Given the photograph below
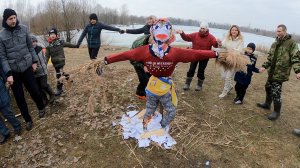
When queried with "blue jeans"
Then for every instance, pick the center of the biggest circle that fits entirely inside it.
(10, 116)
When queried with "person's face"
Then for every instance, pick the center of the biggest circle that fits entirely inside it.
(52, 36)
(249, 50)
(34, 44)
(280, 32)
(202, 30)
(12, 21)
(234, 32)
(93, 21)
(151, 21)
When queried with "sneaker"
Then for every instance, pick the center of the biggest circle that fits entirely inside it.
(224, 93)
(29, 125)
(235, 99)
(141, 97)
(238, 102)
(42, 113)
(3, 138)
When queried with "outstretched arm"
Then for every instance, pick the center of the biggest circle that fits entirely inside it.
(82, 36)
(136, 31)
(190, 55)
(111, 28)
(137, 54)
(186, 37)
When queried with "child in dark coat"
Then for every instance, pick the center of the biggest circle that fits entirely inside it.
(41, 73)
(242, 79)
(55, 50)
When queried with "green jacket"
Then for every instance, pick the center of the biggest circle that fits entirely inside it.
(283, 55)
(55, 50)
(140, 41)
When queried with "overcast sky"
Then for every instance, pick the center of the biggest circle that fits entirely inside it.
(265, 14)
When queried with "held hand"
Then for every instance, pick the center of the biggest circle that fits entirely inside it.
(10, 80)
(262, 69)
(219, 41)
(178, 31)
(298, 76)
(34, 66)
(146, 69)
(121, 31)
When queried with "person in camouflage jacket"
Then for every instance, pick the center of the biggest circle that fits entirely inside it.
(283, 55)
(55, 50)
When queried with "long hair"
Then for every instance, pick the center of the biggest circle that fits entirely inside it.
(239, 36)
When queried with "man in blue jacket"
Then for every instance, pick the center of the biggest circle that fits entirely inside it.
(93, 32)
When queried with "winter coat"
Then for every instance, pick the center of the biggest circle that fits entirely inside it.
(283, 55)
(55, 50)
(16, 52)
(243, 78)
(41, 69)
(236, 44)
(93, 32)
(204, 42)
(145, 29)
(4, 96)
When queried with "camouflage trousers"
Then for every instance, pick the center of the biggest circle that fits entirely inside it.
(273, 90)
(166, 101)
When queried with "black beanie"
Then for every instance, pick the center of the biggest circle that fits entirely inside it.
(7, 13)
(53, 30)
(252, 45)
(93, 16)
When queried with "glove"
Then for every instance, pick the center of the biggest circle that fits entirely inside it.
(121, 31)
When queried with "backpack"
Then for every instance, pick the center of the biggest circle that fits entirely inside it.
(140, 41)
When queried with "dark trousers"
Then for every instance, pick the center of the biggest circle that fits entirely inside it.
(273, 91)
(44, 87)
(26, 78)
(240, 91)
(93, 52)
(143, 79)
(60, 72)
(201, 69)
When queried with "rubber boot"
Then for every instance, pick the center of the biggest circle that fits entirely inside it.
(187, 83)
(276, 112)
(266, 104)
(199, 85)
(51, 94)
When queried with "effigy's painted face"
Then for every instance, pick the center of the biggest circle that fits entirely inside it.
(161, 30)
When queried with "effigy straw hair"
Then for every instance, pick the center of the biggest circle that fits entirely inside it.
(233, 60)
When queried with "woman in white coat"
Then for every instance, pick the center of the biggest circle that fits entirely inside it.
(233, 41)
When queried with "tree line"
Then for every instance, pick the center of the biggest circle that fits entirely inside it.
(68, 15)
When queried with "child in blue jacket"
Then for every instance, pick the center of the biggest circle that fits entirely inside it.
(242, 79)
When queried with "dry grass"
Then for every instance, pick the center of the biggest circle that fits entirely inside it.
(77, 130)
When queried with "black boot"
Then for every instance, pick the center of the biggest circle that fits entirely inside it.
(199, 85)
(276, 112)
(266, 104)
(187, 83)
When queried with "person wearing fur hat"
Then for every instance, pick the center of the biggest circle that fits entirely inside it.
(19, 61)
(243, 79)
(233, 41)
(201, 40)
(93, 32)
(41, 73)
(55, 51)
(160, 59)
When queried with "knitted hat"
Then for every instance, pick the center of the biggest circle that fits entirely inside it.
(204, 25)
(252, 45)
(53, 30)
(93, 16)
(34, 39)
(7, 13)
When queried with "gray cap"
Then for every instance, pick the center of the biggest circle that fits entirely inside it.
(33, 38)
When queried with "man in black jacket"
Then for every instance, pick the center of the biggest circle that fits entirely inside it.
(19, 61)
(146, 29)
